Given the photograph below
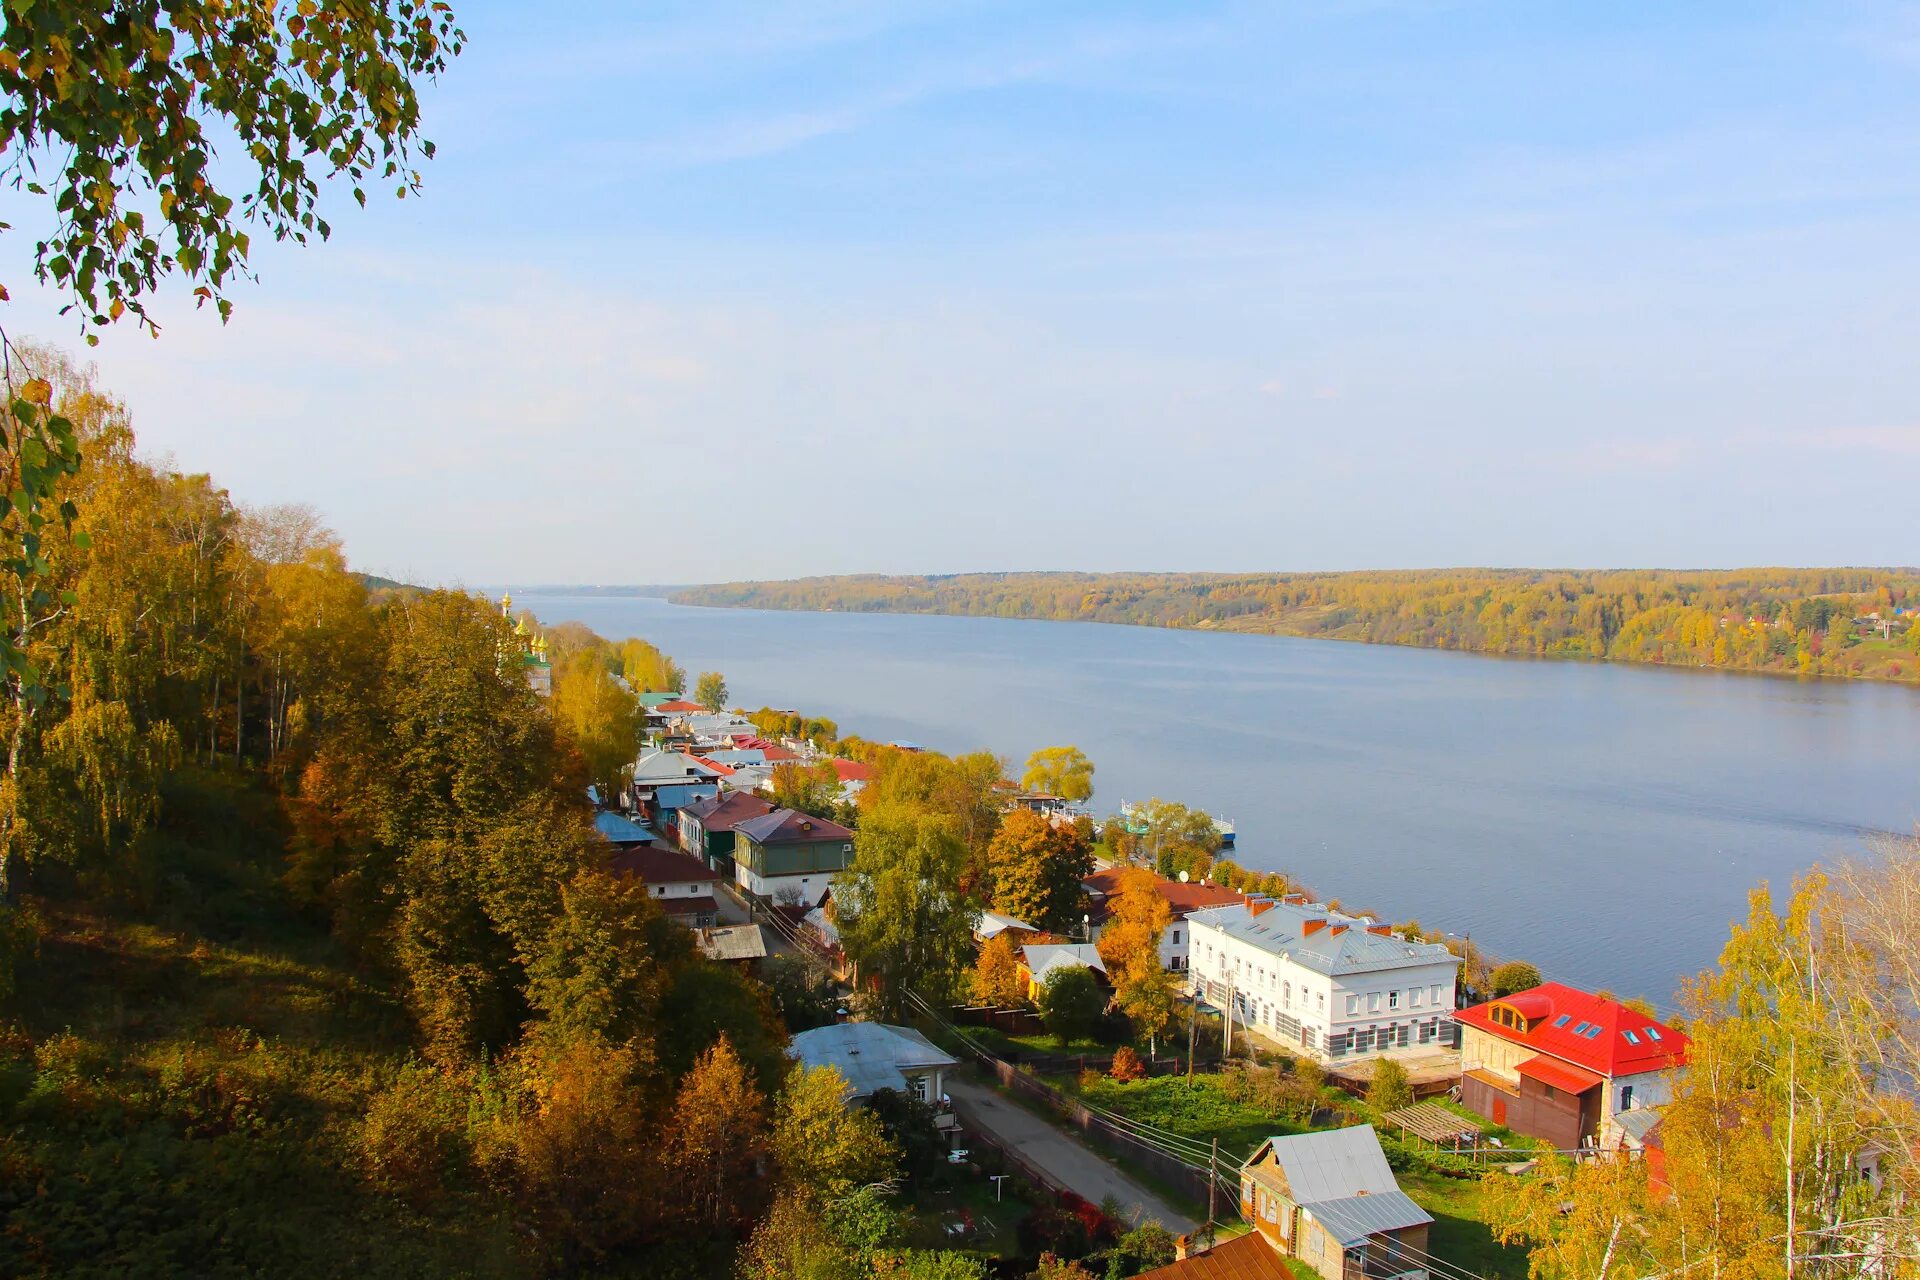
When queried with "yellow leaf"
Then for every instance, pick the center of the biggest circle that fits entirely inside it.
(37, 391)
(9, 62)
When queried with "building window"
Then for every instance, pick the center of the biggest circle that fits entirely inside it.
(1286, 994)
(1393, 999)
(1176, 937)
(1414, 997)
(1353, 1005)
(1436, 993)
(1373, 1002)
(1626, 1097)
(1322, 1000)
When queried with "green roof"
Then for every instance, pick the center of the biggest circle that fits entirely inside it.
(652, 700)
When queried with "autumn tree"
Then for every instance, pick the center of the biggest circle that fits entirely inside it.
(108, 116)
(607, 961)
(1390, 1089)
(599, 718)
(711, 692)
(1130, 948)
(1061, 771)
(825, 1148)
(809, 788)
(710, 1150)
(1176, 838)
(996, 974)
(1513, 977)
(647, 670)
(1037, 868)
(903, 919)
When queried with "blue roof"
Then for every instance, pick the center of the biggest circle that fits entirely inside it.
(621, 830)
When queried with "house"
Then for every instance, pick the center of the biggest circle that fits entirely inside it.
(788, 855)
(874, 1056)
(1329, 1199)
(994, 923)
(621, 833)
(664, 782)
(739, 944)
(1562, 1064)
(682, 884)
(853, 774)
(1039, 961)
(1336, 986)
(705, 827)
(1183, 898)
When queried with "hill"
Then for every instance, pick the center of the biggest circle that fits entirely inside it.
(1841, 622)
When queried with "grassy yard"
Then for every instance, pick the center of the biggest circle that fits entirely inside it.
(1459, 1236)
(967, 1217)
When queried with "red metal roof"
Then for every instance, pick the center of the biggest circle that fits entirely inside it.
(679, 706)
(1247, 1257)
(1558, 1074)
(1583, 1029)
(724, 770)
(852, 770)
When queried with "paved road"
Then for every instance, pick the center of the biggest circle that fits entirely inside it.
(1059, 1155)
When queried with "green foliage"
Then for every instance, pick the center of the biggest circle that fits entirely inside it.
(1071, 1002)
(809, 788)
(606, 963)
(1747, 619)
(902, 917)
(824, 1147)
(1512, 977)
(802, 996)
(1145, 1247)
(117, 102)
(1389, 1089)
(711, 692)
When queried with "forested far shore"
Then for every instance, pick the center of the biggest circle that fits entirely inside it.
(1855, 622)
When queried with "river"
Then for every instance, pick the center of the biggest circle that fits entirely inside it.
(1603, 821)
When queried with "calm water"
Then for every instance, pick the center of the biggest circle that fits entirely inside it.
(1605, 822)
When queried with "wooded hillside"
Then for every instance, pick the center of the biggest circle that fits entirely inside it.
(1809, 621)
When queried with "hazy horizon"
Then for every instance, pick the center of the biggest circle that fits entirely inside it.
(755, 293)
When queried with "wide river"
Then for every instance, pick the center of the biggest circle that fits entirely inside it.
(1605, 822)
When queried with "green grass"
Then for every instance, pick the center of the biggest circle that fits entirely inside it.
(1458, 1234)
(992, 1226)
(1200, 1110)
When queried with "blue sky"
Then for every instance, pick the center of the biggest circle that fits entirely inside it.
(712, 291)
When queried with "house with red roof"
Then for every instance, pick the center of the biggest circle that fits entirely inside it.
(1566, 1065)
(679, 882)
(1182, 897)
(787, 856)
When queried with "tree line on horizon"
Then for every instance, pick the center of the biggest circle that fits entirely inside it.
(1796, 621)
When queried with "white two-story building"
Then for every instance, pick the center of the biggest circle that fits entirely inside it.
(1317, 981)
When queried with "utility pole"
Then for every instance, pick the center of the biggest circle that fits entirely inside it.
(1213, 1184)
(1193, 1024)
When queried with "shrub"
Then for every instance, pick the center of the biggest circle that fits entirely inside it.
(1126, 1065)
(1513, 976)
(413, 1135)
(1390, 1089)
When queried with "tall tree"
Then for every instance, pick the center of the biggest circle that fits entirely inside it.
(1037, 868)
(1130, 948)
(598, 717)
(1070, 1003)
(902, 917)
(1062, 771)
(715, 1141)
(824, 1148)
(996, 974)
(711, 692)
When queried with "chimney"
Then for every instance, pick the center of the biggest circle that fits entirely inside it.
(1336, 931)
(1192, 1246)
(1382, 929)
(1312, 927)
(1295, 899)
(1256, 905)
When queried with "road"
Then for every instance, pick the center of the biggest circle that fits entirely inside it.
(1057, 1154)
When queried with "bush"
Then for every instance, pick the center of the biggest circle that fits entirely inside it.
(1126, 1065)
(1512, 977)
(1071, 1003)
(413, 1135)
(1390, 1089)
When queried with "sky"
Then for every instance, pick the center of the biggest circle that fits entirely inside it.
(709, 291)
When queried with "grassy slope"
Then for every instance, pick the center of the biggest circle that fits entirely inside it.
(181, 1085)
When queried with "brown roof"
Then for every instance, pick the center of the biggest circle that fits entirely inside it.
(702, 905)
(1247, 1257)
(719, 813)
(1181, 897)
(789, 826)
(655, 865)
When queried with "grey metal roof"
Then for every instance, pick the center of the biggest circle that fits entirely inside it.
(1281, 929)
(1638, 1122)
(733, 942)
(1352, 1219)
(871, 1055)
(1044, 957)
(1332, 1164)
(670, 766)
